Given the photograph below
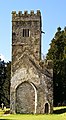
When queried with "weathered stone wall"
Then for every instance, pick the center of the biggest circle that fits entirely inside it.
(32, 43)
(33, 74)
(31, 83)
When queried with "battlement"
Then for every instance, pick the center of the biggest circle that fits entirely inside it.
(14, 14)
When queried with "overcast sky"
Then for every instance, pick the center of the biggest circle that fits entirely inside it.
(53, 15)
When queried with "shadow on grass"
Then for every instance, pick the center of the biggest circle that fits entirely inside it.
(5, 119)
(60, 111)
(7, 112)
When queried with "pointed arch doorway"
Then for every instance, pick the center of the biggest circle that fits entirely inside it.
(26, 98)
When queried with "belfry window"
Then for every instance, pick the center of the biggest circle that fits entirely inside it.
(25, 32)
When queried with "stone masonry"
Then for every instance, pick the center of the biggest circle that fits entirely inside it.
(31, 88)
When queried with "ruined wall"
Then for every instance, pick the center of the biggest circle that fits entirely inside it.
(31, 88)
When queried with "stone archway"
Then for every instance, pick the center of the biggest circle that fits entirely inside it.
(46, 108)
(25, 98)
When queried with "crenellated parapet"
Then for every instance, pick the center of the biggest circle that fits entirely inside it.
(14, 13)
(16, 16)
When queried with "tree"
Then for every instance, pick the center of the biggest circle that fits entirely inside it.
(57, 53)
(5, 73)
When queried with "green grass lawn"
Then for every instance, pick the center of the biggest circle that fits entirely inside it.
(59, 114)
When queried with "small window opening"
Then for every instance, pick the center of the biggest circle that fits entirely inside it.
(13, 35)
(25, 32)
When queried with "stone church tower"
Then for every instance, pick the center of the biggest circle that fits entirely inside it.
(31, 78)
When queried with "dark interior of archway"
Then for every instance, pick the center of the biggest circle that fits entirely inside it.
(46, 108)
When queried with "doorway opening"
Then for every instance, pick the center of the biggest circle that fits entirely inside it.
(46, 108)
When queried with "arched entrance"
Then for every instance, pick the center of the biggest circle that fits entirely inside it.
(46, 108)
(25, 98)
